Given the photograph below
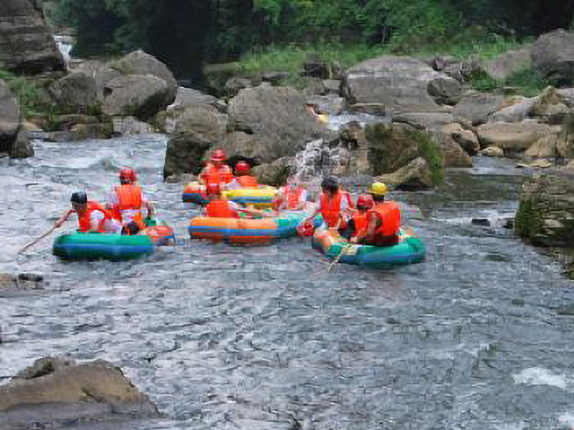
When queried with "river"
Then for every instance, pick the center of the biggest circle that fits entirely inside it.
(477, 337)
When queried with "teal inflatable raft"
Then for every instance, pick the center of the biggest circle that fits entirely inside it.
(409, 250)
(94, 246)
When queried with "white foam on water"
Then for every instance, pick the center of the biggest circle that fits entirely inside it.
(542, 376)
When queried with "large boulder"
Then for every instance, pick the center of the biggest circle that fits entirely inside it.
(54, 392)
(100, 72)
(75, 93)
(185, 153)
(275, 173)
(9, 117)
(276, 119)
(413, 177)
(142, 96)
(401, 83)
(26, 43)
(565, 143)
(553, 54)
(516, 112)
(551, 106)
(545, 215)
(544, 147)
(512, 137)
(508, 63)
(140, 63)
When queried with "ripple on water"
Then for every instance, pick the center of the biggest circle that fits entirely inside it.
(476, 337)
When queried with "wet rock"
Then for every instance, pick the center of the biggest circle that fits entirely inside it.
(565, 142)
(22, 147)
(492, 151)
(100, 73)
(54, 392)
(141, 63)
(92, 131)
(26, 42)
(314, 87)
(400, 83)
(142, 96)
(276, 120)
(413, 177)
(67, 122)
(376, 109)
(452, 153)
(431, 121)
(276, 173)
(9, 117)
(545, 214)
(552, 54)
(185, 152)
(22, 282)
(551, 107)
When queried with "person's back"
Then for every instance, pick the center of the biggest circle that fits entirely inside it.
(291, 197)
(216, 171)
(389, 223)
(247, 181)
(218, 207)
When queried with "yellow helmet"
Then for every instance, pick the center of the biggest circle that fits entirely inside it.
(378, 188)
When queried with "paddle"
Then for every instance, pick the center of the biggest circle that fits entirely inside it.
(336, 260)
(35, 241)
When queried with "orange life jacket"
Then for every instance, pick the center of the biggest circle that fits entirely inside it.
(361, 222)
(220, 209)
(389, 214)
(214, 175)
(84, 218)
(247, 181)
(331, 207)
(129, 198)
(293, 195)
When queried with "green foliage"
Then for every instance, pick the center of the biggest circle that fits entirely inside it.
(528, 220)
(30, 94)
(529, 83)
(430, 151)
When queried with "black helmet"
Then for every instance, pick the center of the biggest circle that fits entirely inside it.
(80, 198)
(330, 184)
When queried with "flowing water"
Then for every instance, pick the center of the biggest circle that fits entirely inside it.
(477, 337)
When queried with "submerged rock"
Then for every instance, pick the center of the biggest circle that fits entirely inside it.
(54, 391)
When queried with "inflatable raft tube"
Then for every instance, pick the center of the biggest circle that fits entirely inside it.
(260, 198)
(409, 250)
(245, 231)
(113, 247)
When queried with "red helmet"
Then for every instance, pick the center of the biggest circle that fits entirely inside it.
(213, 189)
(365, 201)
(128, 175)
(242, 167)
(218, 155)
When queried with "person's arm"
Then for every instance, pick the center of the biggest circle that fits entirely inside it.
(302, 201)
(371, 227)
(64, 218)
(150, 209)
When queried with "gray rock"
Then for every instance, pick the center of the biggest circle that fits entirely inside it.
(467, 141)
(75, 93)
(198, 118)
(26, 43)
(414, 176)
(185, 152)
(101, 73)
(9, 117)
(142, 96)
(277, 119)
(130, 125)
(516, 112)
(276, 173)
(514, 137)
(507, 64)
(55, 392)
(332, 86)
(432, 121)
(445, 90)
(376, 109)
(22, 147)
(553, 54)
(275, 78)
(235, 84)
(400, 83)
(478, 107)
(140, 63)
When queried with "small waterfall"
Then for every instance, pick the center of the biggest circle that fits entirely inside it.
(316, 161)
(65, 45)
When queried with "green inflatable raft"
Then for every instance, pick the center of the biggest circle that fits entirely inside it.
(94, 246)
(410, 249)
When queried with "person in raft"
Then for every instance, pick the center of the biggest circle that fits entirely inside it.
(92, 217)
(216, 171)
(335, 205)
(384, 220)
(291, 197)
(358, 223)
(126, 202)
(243, 177)
(218, 207)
